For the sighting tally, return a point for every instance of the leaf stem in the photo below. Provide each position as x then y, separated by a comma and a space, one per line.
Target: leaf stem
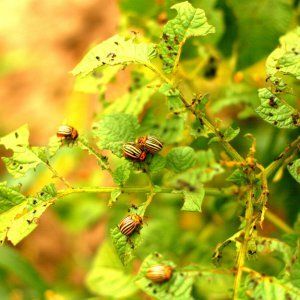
62, 179
287, 151
227, 146
244, 245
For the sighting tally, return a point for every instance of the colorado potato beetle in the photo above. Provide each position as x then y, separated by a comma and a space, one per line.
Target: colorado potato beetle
150, 143
130, 224
67, 132
159, 273
130, 150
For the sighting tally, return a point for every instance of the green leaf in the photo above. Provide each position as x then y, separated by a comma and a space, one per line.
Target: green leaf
258, 29
131, 103
115, 130
9, 197
125, 246
285, 58
107, 276
193, 200
294, 169
228, 135
179, 287
115, 51
174, 102
180, 159
204, 170
157, 164
96, 81
26, 220
238, 177
188, 22
24, 157
269, 288
114, 196
19, 219
276, 111
122, 173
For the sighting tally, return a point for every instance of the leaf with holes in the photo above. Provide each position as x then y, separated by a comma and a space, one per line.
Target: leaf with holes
178, 287
114, 130
276, 111
189, 22
114, 51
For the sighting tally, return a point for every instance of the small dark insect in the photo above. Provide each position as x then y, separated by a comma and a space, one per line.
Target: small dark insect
97, 57
16, 135
159, 273
272, 102
150, 144
169, 47
165, 36
130, 224
67, 132
117, 43
132, 151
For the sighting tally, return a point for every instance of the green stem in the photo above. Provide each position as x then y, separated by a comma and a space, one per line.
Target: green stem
56, 175
243, 248
288, 150
108, 189
227, 146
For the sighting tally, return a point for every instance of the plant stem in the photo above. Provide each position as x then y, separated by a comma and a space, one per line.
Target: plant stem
227, 146
62, 179
275, 164
243, 248
278, 222
146, 189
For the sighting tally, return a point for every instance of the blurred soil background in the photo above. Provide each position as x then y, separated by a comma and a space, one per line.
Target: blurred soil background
40, 42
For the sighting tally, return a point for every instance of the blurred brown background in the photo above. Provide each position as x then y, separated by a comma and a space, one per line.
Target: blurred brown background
40, 43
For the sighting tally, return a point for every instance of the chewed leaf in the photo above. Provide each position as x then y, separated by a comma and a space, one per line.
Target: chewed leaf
24, 157
115, 51
114, 196
275, 111
189, 22
107, 276
294, 169
122, 172
178, 287
9, 197
21, 214
286, 58
115, 130
181, 158
125, 246
193, 200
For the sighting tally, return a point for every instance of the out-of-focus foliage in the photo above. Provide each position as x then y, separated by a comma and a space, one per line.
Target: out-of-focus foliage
218, 83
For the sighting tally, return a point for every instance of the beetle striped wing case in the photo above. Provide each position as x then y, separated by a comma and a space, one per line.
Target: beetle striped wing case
130, 224
159, 273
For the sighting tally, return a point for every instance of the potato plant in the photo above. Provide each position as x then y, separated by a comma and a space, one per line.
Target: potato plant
201, 200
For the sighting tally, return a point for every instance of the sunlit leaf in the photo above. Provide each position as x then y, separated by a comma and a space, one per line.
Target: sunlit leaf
193, 200
178, 287
189, 22
107, 277
115, 51
294, 169
180, 159
276, 111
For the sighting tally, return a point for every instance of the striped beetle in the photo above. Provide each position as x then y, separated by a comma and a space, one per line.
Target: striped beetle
67, 132
150, 143
159, 273
130, 224
130, 150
